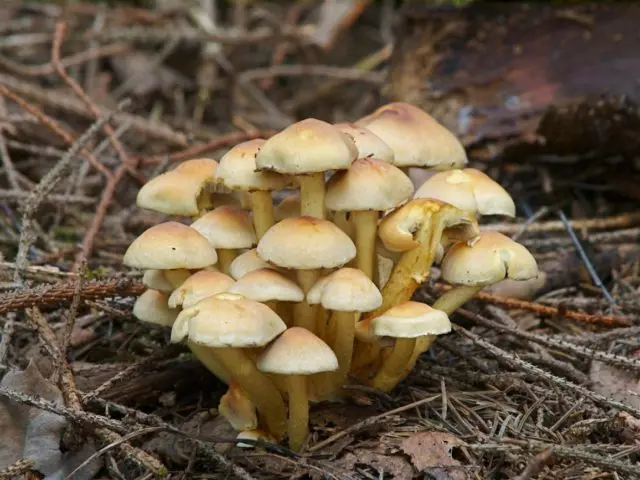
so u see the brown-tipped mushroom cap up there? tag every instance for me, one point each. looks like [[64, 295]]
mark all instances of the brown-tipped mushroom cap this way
[[199, 286], [202, 167], [308, 146], [367, 142], [227, 227], [288, 207], [416, 138], [306, 243], [170, 245], [152, 307], [368, 184], [248, 262], [228, 320], [174, 193], [267, 285], [237, 169], [468, 189], [486, 260], [297, 352], [397, 229], [346, 290], [411, 320]]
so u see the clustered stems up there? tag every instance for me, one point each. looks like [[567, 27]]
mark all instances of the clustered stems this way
[[304, 315], [342, 344], [365, 223]]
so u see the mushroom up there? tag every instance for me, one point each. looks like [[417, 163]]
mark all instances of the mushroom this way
[[227, 228], [237, 409], [289, 206], [165, 281], [248, 262], [255, 435], [222, 326], [307, 149], [295, 354], [269, 287], [346, 292], [237, 170], [405, 322], [199, 286], [369, 145], [369, 186], [306, 244], [415, 137], [152, 307]]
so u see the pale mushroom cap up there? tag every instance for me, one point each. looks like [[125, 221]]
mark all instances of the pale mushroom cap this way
[[228, 320], [367, 142], [199, 286], [490, 258], [416, 138], [170, 245], [306, 243], [237, 409], [411, 320], [237, 169], [308, 146], [227, 226], [267, 285], [346, 290], [173, 193], [202, 167], [397, 229], [152, 307], [468, 189], [368, 184], [297, 352], [289, 206], [247, 262]]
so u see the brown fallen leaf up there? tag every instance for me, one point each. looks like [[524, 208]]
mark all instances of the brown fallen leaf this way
[[615, 383], [431, 452], [388, 466]]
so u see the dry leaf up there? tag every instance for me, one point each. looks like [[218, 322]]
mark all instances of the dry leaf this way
[[431, 450], [34, 434], [393, 467], [615, 383]]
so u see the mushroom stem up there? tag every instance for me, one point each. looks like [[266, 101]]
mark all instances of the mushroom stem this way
[[208, 359], [304, 315], [225, 257], [342, 344], [456, 297], [366, 225], [176, 277], [342, 222], [393, 366], [262, 208], [272, 304], [298, 425], [259, 388], [312, 195]]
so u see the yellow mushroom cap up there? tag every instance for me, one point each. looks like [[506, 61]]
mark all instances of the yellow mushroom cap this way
[[237, 409], [368, 184], [248, 262], [410, 320], [199, 286], [228, 320], [346, 290], [416, 138], [227, 226], [308, 146], [170, 245], [237, 169], [306, 243], [468, 189], [152, 307], [297, 352], [367, 142], [265, 285], [173, 193], [201, 167], [488, 259]]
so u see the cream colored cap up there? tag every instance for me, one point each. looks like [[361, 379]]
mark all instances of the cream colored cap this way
[[308, 146], [468, 189], [397, 229], [411, 320], [368, 143], [346, 290], [416, 138], [199, 286], [486, 260], [237, 409], [297, 352], [306, 243], [237, 169], [227, 226], [247, 262], [228, 320], [201, 167], [170, 245], [267, 285], [152, 307], [368, 184], [173, 193], [289, 206]]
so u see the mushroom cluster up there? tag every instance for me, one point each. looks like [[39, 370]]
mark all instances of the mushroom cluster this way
[[286, 303]]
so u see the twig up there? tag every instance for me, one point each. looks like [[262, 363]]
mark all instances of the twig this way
[[70, 320], [5, 342], [624, 220], [535, 465], [17, 196], [9, 168], [19, 468], [338, 73]]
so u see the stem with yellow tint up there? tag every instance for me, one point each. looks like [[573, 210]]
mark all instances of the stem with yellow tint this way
[[312, 192], [262, 209], [366, 225], [225, 257], [304, 315]]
